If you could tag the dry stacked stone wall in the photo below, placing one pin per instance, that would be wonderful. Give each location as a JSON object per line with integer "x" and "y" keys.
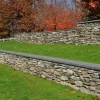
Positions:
{"x": 85, "y": 33}
{"x": 78, "y": 75}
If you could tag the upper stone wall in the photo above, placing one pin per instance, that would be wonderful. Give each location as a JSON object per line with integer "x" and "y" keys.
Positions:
{"x": 85, "y": 33}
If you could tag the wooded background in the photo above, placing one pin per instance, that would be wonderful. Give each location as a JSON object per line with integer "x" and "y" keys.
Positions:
{"x": 40, "y": 15}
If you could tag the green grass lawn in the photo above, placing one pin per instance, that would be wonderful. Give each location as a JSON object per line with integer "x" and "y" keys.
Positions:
{"x": 16, "y": 85}
{"x": 87, "y": 53}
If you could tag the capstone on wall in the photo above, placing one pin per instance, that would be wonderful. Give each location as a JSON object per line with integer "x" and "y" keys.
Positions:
{"x": 80, "y": 78}
{"x": 85, "y": 33}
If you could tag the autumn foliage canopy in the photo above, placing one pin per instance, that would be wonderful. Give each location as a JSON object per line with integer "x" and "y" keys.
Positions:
{"x": 91, "y": 9}
{"x": 37, "y": 15}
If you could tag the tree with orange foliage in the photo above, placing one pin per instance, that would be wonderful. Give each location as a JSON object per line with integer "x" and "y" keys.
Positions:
{"x": 56, "y": 15}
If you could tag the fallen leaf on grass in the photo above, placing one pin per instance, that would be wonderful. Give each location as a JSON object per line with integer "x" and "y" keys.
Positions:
{"x": 90, "y": 51}
{"x": 16, "y": 90}
{"x": 15, "y": 75}
{"x": 67, "y": 97}
{"x": 69, "y": 91}
{"x": 45, "y": 99}
{"x": 28, "y": 79}
{"x": 96, "y": 98}
{"x": 83, "y": 97}
{"x": 8, "y": 93}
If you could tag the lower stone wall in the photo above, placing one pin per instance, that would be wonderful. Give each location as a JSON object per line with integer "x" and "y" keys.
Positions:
{"x": 80, "y": 78}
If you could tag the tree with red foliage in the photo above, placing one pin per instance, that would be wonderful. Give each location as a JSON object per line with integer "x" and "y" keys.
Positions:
{"x": 22, "y": 15}
{"x": 18, "y": 15}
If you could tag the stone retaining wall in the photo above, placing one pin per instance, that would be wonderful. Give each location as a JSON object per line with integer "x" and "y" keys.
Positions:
{"x": 78, "y": 75}
{"x": 85, "y": 33}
